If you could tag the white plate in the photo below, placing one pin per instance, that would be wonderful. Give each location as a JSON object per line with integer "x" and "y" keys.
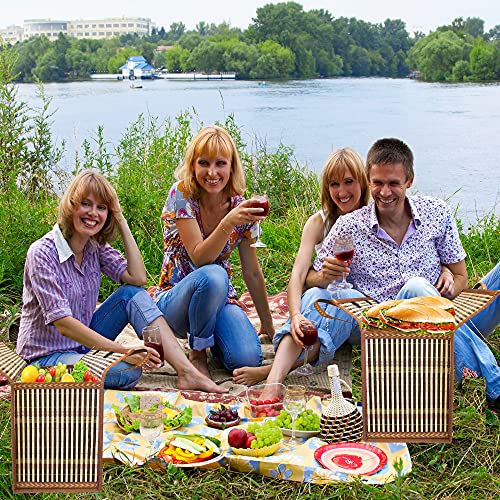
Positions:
{"x": 300, "y": 434}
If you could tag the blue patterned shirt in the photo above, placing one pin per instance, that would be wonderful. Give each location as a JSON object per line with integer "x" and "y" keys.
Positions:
{"x": 380, "y": 267}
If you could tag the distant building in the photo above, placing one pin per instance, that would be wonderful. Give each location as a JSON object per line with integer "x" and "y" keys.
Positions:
{"x": 137, "y": 67}
{"x": 44, "y": 27}
{"x": 11, "y": 34}
{"x": 110, "y": 27}
{"x": 95, "y": 28}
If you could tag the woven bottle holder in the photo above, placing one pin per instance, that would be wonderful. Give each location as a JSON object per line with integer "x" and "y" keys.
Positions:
{"x": 340, "y": 420}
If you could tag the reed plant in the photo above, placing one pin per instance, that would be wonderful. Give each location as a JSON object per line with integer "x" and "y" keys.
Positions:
{"x": 141, "y": 167}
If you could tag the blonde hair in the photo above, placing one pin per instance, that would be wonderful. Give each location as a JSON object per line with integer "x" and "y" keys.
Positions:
{"x": 85, "y": 183}
{"x": 211, "y": 141}
{"x": 337, "y": 163}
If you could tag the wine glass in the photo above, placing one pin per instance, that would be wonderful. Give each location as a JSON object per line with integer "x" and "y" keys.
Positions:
{"x": 151, "y": 426}
{"x": 294, "y": 403}
{"x": 343, "y": 249}
{"x": 152, "y": 338}
{"x": 309, "y": 329}
{"x": 262, "y": 201}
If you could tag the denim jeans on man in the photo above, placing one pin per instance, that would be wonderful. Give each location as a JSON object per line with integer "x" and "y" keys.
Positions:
{"x": 128, "y": 304}
{"x": 197, "y": 307}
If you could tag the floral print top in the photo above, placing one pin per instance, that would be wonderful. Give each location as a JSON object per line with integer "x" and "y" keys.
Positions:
{"x": 176, "y": 261}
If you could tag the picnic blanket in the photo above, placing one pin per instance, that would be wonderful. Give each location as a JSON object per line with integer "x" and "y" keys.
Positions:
{"x": 290, "y": 464}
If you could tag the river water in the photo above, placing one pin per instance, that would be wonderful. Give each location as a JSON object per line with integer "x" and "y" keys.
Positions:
{"x": 453, "y": 130}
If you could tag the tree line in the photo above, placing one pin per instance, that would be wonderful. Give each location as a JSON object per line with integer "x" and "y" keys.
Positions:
{"x": 282, "y": 42}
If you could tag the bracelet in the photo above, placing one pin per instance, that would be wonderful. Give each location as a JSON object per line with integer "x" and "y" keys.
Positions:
{"x": 224, "y": 229}
{"x": 448, "y": 271}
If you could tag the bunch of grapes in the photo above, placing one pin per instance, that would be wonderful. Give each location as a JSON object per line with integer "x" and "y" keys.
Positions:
{"x": 306, "y": 421}
{"x": 223, "y": 414}
{"x": 267, "y": 433}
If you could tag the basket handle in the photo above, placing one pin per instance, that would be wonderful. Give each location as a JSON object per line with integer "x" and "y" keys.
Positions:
{"x": 99, "y": 362}
{"x": 324, "y": 313}
{"x": 11, "y": 364}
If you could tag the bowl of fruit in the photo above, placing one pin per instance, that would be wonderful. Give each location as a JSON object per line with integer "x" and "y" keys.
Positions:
{"x": 258, "y": 440}
{"x": 222, "y": 417}
{"x": 265, "y": 400}
{"x": 306, "y": 424}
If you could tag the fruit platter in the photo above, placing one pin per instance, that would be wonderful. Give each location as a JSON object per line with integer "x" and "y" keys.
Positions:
{"x": 58, "y": 373}
{"x": 306, "y": 424}
{"x": 190, "y": 450}
{"x": 222, "y": 417}
{"x": 127, "y": 417}
{"x": 258, "y": 440}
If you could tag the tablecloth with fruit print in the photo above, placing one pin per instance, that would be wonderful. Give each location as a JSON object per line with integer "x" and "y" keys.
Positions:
{"x": 291, "y": 464}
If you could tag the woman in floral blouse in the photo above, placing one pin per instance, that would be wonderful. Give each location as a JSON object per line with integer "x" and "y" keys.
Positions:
{"x": 205, "y": 218}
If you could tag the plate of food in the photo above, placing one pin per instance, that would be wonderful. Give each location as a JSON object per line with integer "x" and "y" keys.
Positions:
{"x": 191, "y": 450}
{"x": 306, "y": 424}
{"x": 351, "y": 458}
{"x": 222, "y": 417}
{"x": 127, "y": 417}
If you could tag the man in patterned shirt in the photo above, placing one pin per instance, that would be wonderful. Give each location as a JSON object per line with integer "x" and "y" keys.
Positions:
{"x": 400, "y": 244}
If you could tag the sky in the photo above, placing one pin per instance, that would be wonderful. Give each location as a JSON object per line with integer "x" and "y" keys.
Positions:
{"x": 422, "y": 15}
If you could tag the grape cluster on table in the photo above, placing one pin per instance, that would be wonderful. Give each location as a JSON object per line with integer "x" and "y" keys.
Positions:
{"x": 267, "y": 433}
{"x": 308, "y": 420}
{"x": 223, "y": 415}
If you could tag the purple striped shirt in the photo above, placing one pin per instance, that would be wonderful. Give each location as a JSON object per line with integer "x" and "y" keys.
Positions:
{"x": 55, "y": 286}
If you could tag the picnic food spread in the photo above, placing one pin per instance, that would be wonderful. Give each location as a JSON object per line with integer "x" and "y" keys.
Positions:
{"x": 421, "y": 314}
{"x": 277, "y": 460}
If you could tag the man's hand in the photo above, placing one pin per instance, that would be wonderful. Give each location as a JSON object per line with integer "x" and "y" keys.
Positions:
{"x": 445, "y": 285}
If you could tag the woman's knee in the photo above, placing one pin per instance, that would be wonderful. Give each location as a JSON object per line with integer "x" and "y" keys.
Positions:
{"x": 215, "y": 277}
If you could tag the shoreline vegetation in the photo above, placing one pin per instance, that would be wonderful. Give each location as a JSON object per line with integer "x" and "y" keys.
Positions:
{"x": 283, "y": 42}
{"x": 140, "y": 166}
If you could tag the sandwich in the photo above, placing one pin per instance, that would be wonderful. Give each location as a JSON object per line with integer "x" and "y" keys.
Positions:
{"x": 434, "y": 301}
{"x": 370, "y": 316}
{"x": 408, "y": 317}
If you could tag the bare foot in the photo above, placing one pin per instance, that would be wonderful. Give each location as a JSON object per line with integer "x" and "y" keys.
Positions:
{"x": 199, "y": 361}
{"x": 251, "y": 375}
{"x": 196, "y": 381}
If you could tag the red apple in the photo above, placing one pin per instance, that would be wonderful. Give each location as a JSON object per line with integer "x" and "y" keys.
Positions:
{"x": 237, "y": 438}
{"x": 250, "y": 437}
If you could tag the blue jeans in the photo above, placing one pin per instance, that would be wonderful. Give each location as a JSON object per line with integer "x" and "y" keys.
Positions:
{"x": 331, "y": 333}
{"x": 197, "y": 308}
{"x": 129, "y": 304}
{"x": 470, "y": 351}
{"x": 487, "y": 320}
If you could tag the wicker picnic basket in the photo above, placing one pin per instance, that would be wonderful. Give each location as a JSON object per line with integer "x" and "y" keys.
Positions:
{"x": 407, "y": 379}
{"x": 340, "y": 420}
{"x": 57, "y": 427}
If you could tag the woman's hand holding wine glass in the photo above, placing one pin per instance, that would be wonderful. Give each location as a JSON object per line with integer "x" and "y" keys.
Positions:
{"x": 309, "y": 331}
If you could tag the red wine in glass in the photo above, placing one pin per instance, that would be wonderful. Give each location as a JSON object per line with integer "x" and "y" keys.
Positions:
{"x": 345, "y": 256}
{"x": 310, "y": 333}
{"x": 157, "y": 346}
{"x": 260, "y": 201}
